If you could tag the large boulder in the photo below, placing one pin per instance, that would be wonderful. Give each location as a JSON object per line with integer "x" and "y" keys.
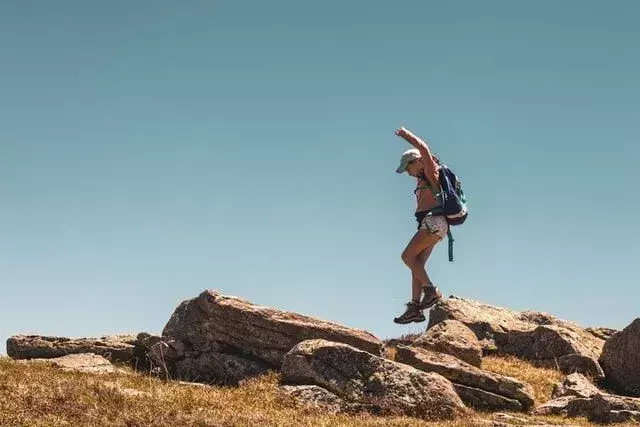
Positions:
{"x": 620, "y": 360}
{"x": 480, "y": 389}
{"x": 535, "y": 336}
{"x": 454, "y": 338}
{"x": 213, "y": 320}
{"x": 378, "y": 384}
{"x": 224, "y": 339}
{"x": 116, "y": 348}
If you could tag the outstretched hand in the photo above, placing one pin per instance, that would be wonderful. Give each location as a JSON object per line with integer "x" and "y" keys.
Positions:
{"x": 402, "y": 132}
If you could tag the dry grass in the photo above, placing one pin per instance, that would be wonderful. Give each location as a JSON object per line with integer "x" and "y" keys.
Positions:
{"x": 40, "y": 395}
{"x": 541, "y": 379}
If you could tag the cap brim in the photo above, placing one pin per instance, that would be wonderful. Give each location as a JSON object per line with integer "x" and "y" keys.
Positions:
{"x": 402, "y": 167}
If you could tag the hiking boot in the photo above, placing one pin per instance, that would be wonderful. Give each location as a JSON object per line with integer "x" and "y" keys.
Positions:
{"x": 412, "y": 314}
{"x": 430, "y": 297}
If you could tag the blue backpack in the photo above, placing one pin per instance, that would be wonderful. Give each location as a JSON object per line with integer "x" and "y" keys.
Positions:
{"x": 453, "y": 202}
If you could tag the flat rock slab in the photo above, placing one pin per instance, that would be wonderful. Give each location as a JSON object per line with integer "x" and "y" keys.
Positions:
{"x": 213, "y": 322}
{"x": 484, "y": 400}
{"x": 464, "y": 374}
{"x": 80, "y": 362}
{"x": 116, "y": 348}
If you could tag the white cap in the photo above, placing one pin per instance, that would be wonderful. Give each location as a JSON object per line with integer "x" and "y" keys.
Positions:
{"x": 408, "y": 156}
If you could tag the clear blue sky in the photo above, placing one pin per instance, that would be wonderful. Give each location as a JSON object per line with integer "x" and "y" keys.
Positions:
{"x": 153, "y": 149}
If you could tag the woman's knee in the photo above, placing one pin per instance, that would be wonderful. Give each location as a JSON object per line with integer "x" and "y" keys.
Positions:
{"x": 408, "y": 258}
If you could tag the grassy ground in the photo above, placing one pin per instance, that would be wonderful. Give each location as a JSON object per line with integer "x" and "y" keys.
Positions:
{"x": 40, "y": 395}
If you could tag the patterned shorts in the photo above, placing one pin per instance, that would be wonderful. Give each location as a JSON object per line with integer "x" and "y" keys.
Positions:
{"x": 436, "y": 224}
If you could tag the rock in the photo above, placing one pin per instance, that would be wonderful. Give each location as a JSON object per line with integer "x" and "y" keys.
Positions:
{"x": 223, "y": 340}
{"x": 116, "y": 348}
{"x": 454, "y": 338}
{"x": 557, "y": 406}
{"x": 462, "y": 373}
{"x": 510, "y": 419}
{"x": 484, "y": 400}
{"x": 598, "y": 408}
{"x": 313, "y": 396}
{"x": 213, "y": 322}
{"x": 620, "y": 360}
{"x": 81, "y": 362}
{"x": 382, "y": 386}
{"x": 576, "y": 385}
{"x": 507, "y": 420}
{"x": 571, "y": 363}
{"x": 538, "y": 337}
{"x": 605, "y": 408}
{"x": 602, "y": 333}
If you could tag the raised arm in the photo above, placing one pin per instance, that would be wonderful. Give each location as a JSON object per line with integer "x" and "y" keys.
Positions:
{"x": 429, "y": 164}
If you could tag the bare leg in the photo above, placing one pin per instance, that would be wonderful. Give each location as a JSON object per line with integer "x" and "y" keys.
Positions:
{"x": 415, "y": 256}
{"x": 416, "y": 286}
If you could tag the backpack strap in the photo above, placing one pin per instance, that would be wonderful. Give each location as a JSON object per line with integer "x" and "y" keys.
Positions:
{"x": 439, "y": 210}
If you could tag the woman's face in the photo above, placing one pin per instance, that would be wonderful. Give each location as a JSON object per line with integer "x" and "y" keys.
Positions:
{"x": 413, "y": 168}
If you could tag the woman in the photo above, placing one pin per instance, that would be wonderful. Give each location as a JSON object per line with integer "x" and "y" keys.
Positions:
{"x": 420, "y": 163}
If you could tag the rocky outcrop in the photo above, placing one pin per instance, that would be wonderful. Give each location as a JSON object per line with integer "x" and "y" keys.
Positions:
{"x": 454, "y": 338}
{"x": 620, "y": 360}
{"x": 490, "y": 390}
{"x": 214, "y": 321}
{"x": 222, "y": 339}
{"x": 217, "y": 339}
{"x": 372, "y": 382}
{"x": 538, "y": 337}
{"x": 116, "y": 348}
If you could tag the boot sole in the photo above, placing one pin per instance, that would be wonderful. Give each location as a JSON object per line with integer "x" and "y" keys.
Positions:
{"x": 412, "y": 320}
